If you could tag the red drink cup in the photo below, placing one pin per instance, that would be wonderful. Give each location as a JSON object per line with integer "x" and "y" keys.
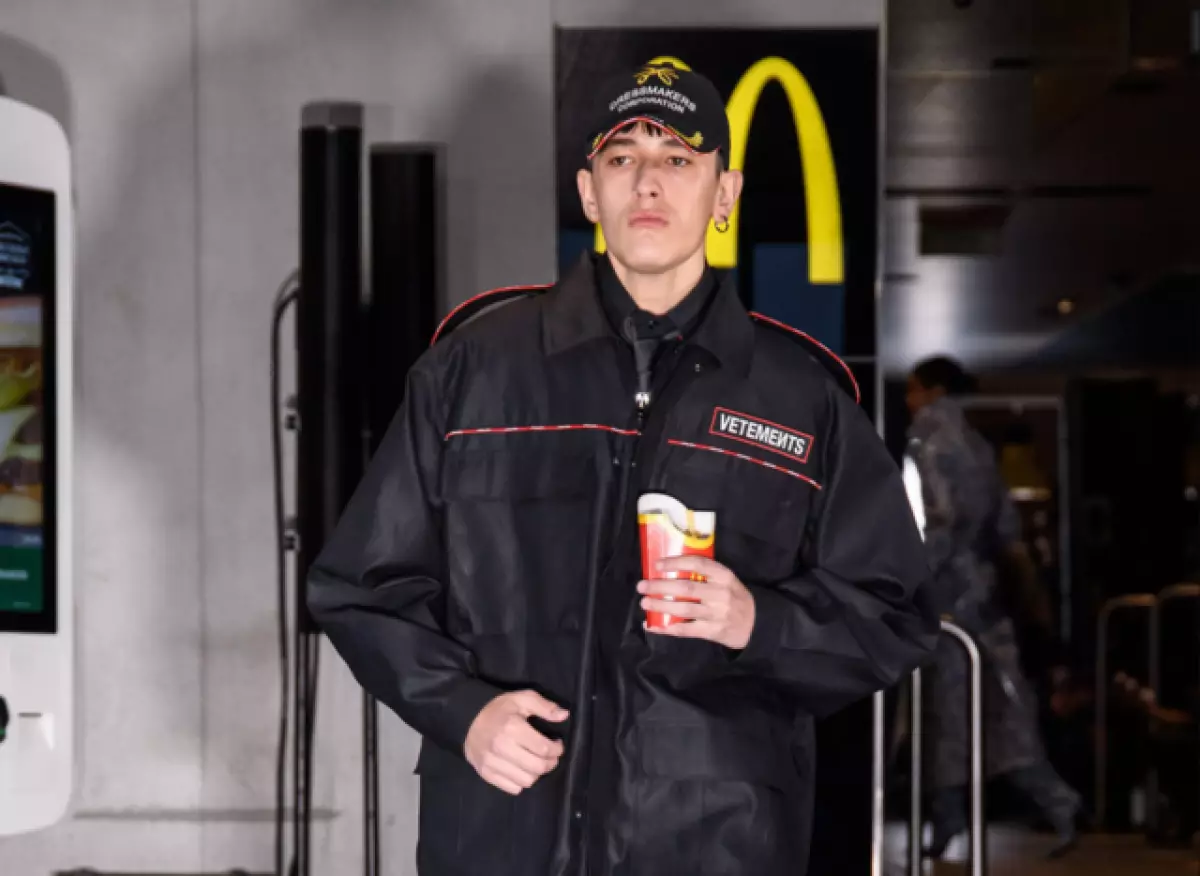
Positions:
{"x": 668, "y": 528}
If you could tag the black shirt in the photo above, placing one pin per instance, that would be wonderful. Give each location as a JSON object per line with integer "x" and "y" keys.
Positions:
{"x": 624, "y": 314}
{"x": 654, "y": 339}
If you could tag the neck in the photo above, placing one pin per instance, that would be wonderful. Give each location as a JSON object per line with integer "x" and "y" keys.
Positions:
{"x": 660, "y": 293}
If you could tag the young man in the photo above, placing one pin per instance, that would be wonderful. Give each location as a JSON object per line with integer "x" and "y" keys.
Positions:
{"x": 484, "y": 581}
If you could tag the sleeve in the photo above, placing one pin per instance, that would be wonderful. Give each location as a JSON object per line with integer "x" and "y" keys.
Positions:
{"x": 860, "y": 615}
{"x": 377, "y": 588}
{"x": 941, "y": 469}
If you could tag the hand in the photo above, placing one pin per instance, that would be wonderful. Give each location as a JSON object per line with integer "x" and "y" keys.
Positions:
{"x": 505, "y": 750}
{"x": 724, "y": 613}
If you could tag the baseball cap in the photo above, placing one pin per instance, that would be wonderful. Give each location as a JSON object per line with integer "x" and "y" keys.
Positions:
{"x": 681, "y": 103}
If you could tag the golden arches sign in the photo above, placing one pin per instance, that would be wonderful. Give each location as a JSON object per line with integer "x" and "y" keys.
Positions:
{"x": 822, "y": 204}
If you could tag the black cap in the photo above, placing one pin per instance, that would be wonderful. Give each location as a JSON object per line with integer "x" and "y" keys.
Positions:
{"x": 681, "y": 103}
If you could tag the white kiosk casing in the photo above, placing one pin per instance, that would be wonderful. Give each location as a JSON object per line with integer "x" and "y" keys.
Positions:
{"x": 37, "y": 260}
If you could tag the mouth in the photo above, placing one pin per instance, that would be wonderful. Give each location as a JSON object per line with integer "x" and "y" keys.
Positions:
{"x": 647, "y": 220}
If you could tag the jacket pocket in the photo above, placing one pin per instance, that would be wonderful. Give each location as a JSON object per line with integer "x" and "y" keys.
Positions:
{"x": 721, "y": 753}
{"x": 762, "y": 513}
{"x": 517, "y": 474}
{"x": 718, "y": 798}
{"x": 767, "y": 506}
{"x": 464, "y": 824}
{"x": 517, "y": 525}
{"x": 439, "y": 839}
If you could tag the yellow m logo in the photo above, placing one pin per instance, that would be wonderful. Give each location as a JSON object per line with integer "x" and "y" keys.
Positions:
{"x": 823, "y": 207}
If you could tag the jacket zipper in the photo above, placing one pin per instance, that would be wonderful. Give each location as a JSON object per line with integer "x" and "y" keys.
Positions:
{"x": 581, "y": 743}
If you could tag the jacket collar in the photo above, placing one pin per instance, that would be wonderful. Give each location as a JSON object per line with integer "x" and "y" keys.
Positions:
{"x": 574, "y": 316}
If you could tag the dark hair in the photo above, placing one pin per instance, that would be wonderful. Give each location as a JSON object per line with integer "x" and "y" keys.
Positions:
{"x": 944, "y": 373}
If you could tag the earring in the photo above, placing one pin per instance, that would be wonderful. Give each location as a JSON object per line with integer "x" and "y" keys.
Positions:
{"x": 722, "y": 226}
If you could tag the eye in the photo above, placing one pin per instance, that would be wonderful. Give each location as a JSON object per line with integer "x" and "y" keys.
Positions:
{"x": 678, "y": 161}
{"x": 619, "y": 160}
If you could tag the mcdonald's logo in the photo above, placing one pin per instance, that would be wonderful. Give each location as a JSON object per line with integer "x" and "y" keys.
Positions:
{"x": 826, "y": 256}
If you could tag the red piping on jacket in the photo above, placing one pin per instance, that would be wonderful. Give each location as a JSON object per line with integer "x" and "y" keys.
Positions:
{"x": 828, "y": 352}
{"x": 745, "y": 458}
{"x": 473, "y": 299}
{"x": 566, "y": 427}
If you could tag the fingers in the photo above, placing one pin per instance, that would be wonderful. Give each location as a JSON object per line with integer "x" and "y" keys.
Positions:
{"x": 505, "y": 750}
{"x": 699, "y": 629}
{"x": 516, "y": 753}
{"x": 535, "y": 743}
{"x": 709, "y": 569}
{"x": 688, "y": 610}
{"x": 510, "y": 767}
{"x": 532, "y": 704}
{"x": 508, "y": 786}
{"x": 505, "y": 775}
{"x": 519, "y": 757}
{"x": 678, "y": 587}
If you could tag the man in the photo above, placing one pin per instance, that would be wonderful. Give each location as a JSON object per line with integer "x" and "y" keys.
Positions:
{"x": 976, "y": 552}
{"x": 484, "y": 582}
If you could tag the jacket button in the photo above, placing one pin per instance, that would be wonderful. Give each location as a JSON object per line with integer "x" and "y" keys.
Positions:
{"x": 699, "y": 367}
{"x": 578, "y": 814}
{"x": 617, "y": 461}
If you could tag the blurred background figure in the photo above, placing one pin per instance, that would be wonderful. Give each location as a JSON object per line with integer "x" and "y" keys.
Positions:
{"x": 973, "y": 535}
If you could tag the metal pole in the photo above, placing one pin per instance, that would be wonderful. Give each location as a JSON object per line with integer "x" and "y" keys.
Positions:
{"x": 370, "y": 786}
{"x": 1177, "y": 591}
{"x": 1100, "y": 791}
{"x": 978, "y": 862}
{"x": 911, "y": 476}
{"x": 1065, "y": 605}
{"x": 1168, "y": 594}
{"x": 877, "y": 756}
{"x": 1151, "y": 772}
{"x": 916, "y": 821}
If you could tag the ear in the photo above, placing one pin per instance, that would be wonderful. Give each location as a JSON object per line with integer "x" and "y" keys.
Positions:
{"x": 729, "y": 189}
{"x": 587, "y": 195}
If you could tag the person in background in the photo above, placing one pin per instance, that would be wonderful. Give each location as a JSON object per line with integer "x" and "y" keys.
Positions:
{"x": 973, "y": 540}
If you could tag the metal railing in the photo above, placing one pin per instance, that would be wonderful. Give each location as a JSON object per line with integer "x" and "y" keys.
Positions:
{"x": 1167, "y": 595}
{"x": 1107, "y": 610}
{"x": 878, "y": 761}
{"x": 978, "y": 845}
{"x": 1153, "y": 605}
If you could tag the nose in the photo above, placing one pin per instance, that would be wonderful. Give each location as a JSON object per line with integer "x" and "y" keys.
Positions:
{"x": 647, "y": 184}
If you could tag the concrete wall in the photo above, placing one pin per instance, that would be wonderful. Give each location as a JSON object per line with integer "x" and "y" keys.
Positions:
{"x": 184, "y": 120}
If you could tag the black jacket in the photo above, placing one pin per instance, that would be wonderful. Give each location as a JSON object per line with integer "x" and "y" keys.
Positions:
{"x": 482, "y": 547}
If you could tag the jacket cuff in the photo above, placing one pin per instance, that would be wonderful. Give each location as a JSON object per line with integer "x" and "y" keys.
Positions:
{"x": 770, "y": 615}
{"x": 462, "y": 706}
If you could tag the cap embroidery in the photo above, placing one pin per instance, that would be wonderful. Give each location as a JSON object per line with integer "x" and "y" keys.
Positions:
{"x": 666, "y": 75}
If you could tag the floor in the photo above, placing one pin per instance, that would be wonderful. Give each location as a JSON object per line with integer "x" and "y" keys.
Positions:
{"x": 1012, "y": 851}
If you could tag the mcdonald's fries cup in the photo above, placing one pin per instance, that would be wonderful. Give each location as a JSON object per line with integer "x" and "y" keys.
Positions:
{"x": 668, "y": 528}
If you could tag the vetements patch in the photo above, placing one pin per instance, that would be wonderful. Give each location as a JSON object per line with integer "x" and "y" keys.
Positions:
{"x": 761, "y": 433}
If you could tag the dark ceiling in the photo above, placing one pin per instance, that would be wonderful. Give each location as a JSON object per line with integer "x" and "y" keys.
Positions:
{"x": 1043, "y": 167}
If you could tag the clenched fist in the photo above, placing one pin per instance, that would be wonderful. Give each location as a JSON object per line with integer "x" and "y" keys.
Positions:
{"x": 505, "y": 750}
